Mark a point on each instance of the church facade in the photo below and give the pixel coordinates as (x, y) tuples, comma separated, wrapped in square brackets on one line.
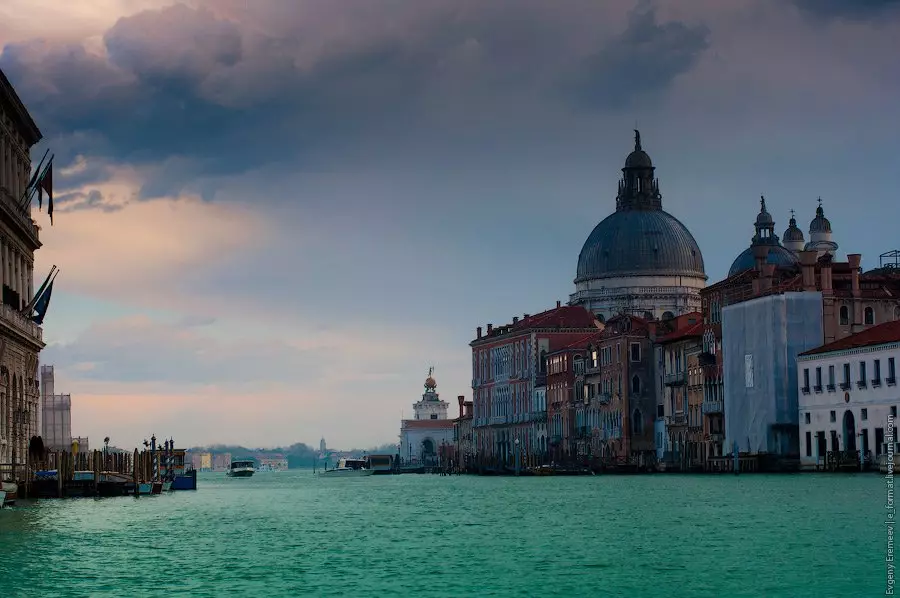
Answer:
[(429, 435)]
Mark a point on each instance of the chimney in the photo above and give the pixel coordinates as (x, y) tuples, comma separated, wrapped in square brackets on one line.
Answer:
[(478, 332), (526, 316), (558, 304), (854, 259), (462, 403), (826, 274), (515, 320), (765, 283), (760, 253), (490, 329), (808, 267), (469, 409)]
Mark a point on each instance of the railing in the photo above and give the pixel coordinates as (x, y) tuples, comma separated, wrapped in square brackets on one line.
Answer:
[(830, 388), (805, 390), (845, 386), (892, 381), (861, 384), (23, 217), (817, 389), (679, 419), (20, 322), (876, 382), (540, 379), (675, 379), (713, 407)]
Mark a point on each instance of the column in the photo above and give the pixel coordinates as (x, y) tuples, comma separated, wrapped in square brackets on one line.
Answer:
[(3, 274), (29, 281), (23, 274)]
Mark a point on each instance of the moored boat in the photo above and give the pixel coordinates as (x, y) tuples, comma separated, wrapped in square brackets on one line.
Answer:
[(144, 488), (349, 468), (10, 490), (242, 468), (2, 498)]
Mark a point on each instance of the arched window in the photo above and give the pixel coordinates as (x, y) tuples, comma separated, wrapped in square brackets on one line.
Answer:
[(543, 361), (637, 423), (845, 315), (635, 385), (667, 315), (869, 315)]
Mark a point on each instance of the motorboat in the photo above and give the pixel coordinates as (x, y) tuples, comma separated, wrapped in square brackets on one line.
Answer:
[(10, 491), (2, 498), (243, 468), (349, 468)]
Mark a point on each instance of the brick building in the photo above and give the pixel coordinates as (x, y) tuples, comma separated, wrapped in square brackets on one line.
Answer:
[(509, 368)]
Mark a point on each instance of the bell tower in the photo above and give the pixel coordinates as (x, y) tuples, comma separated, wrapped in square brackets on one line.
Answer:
[(638, 188)]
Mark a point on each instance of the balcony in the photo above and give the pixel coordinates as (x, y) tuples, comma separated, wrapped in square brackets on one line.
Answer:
[(676, 379), (817, 389), (602, 398), (706, 359), (540, 379), (845, 385), (713, 407), (22, 219), (876, 382), (861, 384), (679, 419), (805, 390), (892, 381), (830, 388), (16, 320)]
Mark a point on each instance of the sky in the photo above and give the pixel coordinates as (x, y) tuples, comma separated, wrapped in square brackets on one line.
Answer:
[(272, 217)]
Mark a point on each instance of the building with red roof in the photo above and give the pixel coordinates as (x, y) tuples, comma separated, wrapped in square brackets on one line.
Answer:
[(509, 378), (849, 399)]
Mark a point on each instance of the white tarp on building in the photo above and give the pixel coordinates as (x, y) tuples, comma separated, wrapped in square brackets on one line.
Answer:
[(760, 342)]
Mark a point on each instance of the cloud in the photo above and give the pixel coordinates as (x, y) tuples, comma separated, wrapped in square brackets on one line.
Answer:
[(852, 10), (208, 94), (642, 62)]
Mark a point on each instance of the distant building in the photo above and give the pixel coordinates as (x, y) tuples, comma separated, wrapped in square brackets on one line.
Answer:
[(56, 414), (422, 438), (322, 448), (760, 340), (84, 445), (272, 463), (849, 396), (221, 462)]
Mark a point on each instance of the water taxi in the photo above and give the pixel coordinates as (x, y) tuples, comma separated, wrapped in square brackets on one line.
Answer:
[(349, 468), (242, 468)]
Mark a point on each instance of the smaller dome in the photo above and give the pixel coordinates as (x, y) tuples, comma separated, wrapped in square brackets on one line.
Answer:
[(820, 224), (430, 382), (778, 255), (793, 232), (638, 159)]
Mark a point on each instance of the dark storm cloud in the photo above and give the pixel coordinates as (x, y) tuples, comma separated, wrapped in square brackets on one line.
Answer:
[(643, 61), (849, 9), (197, 95)]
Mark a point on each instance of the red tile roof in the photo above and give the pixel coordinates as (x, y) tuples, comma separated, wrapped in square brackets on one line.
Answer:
[(565, 317), (882, 334), (692, 330)]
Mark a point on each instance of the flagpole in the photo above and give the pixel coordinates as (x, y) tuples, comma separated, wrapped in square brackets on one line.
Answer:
[(40, 290), (29, 190)]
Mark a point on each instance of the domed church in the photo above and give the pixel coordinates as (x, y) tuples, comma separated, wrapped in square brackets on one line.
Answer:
[(640, 259)]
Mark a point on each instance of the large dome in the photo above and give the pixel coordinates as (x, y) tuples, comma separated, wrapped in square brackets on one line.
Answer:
[(639, 243), (778, 255)]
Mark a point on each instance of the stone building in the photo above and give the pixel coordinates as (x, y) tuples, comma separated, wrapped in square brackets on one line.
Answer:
[(429, 434), (681, 400), (20, 338), (639, 260), (620, 393), (463, 436), (509, 382)]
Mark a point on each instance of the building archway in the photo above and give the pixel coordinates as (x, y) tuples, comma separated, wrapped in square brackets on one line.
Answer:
[(429, 451), (849, 431)]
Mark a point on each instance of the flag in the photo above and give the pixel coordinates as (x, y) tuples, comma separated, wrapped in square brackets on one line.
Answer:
[(42, 304), (46, 184)]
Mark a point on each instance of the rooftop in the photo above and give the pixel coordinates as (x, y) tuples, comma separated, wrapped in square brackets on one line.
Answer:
[(882, 334), (561, 317)]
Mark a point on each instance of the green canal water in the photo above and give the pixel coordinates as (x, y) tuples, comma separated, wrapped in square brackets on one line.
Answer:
[(294, 534)]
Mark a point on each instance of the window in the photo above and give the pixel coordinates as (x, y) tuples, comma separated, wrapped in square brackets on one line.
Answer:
[(845, 315), (635, 351), (869, 316), (805, 388), (637, 424), (893, 411), (862, 375), (806, 419), (876, 373), (846, 383), (864, 414), (636, 385), (818, 379), (831, 378), (809, 444), (832, 417), (434, 416), (660, 411), (891, 377)]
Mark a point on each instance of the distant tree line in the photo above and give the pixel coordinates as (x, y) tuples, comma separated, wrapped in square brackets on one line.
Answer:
[(297, 455)]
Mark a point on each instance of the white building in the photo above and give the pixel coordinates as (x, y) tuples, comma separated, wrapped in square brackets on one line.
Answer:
[(848, 390), (422, 438)]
